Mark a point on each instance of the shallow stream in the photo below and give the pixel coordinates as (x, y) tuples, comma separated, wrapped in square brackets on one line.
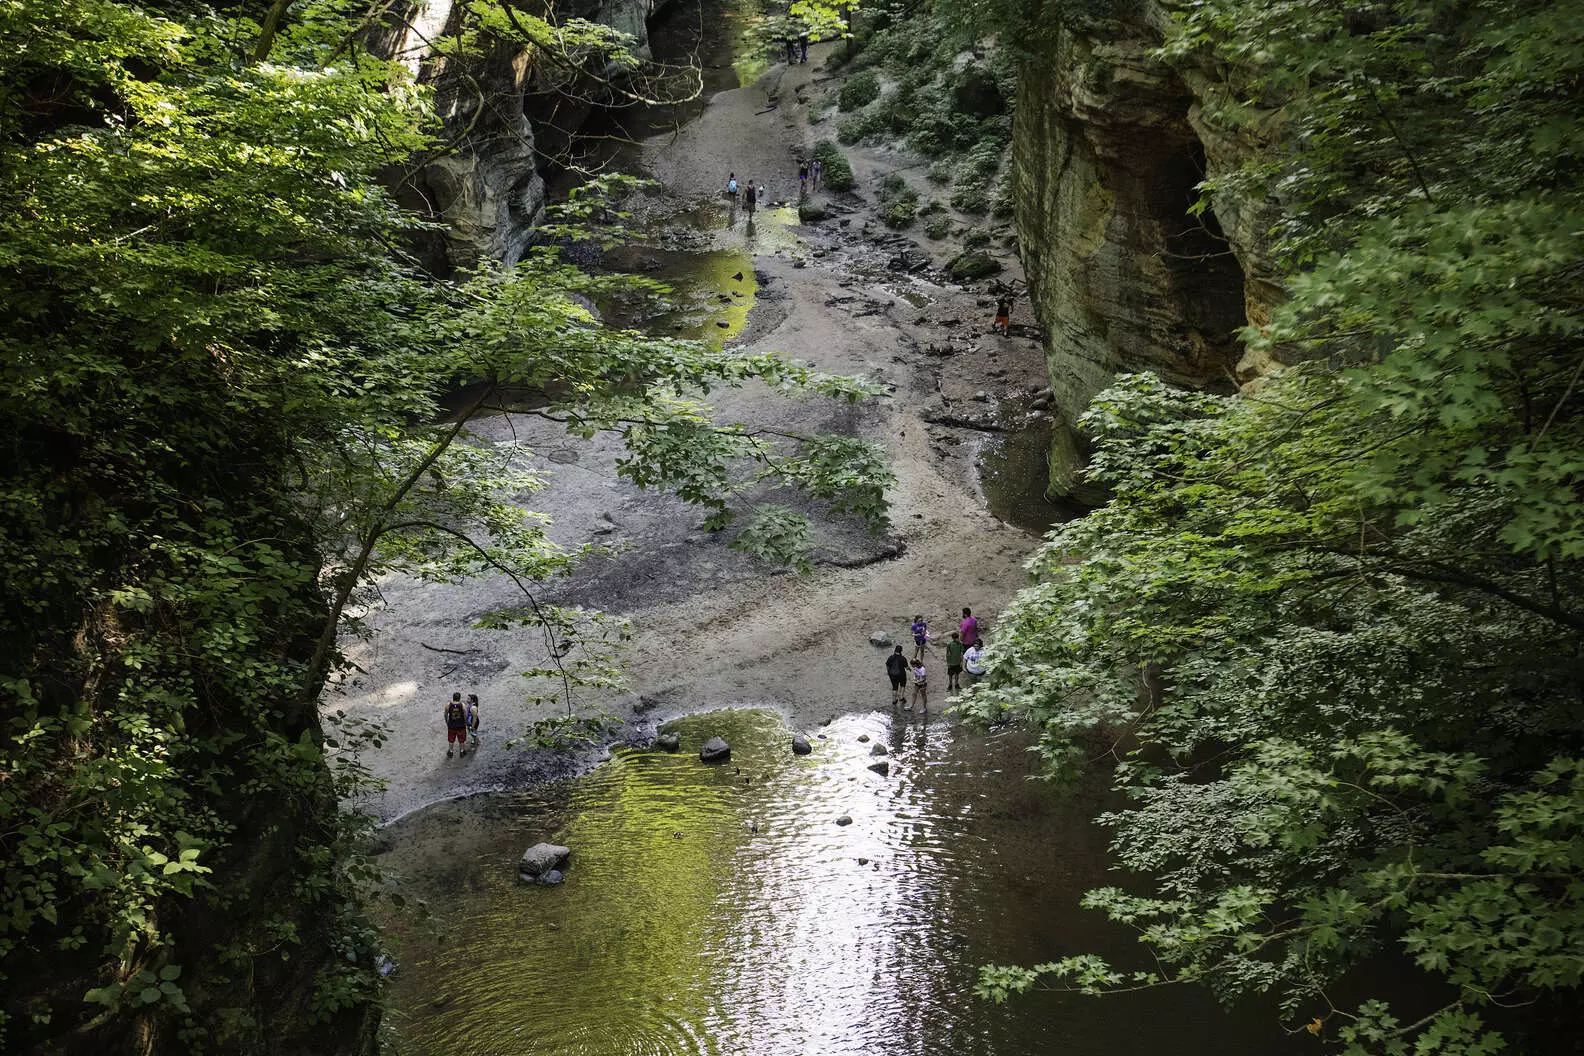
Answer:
[(721, 909)]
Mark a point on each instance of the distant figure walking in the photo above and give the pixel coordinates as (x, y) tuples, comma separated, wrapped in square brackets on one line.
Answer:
[(456, 724), (473, 722), (731, 187), (920, 685), (920, 629), (1003, 316), (814, 172), (802, 45), (897, 670), (791, 49), (750, 197), (803, 178)]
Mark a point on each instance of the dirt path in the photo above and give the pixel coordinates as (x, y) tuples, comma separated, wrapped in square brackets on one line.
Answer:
[(709, 629)]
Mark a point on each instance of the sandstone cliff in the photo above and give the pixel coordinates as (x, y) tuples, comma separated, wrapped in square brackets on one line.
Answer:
[(486, 183), (1110, 144)]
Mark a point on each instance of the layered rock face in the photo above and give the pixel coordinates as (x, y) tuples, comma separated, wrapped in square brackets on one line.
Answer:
[(486, 185), (1109, 147)]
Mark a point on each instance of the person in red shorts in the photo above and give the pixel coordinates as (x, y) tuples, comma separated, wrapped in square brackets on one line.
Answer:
[(456, 724)]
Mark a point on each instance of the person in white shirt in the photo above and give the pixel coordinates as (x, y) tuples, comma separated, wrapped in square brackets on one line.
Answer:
[(973, 660)]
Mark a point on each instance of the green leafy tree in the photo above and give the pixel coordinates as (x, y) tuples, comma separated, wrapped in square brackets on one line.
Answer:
[(221, 418), (1330, 627)]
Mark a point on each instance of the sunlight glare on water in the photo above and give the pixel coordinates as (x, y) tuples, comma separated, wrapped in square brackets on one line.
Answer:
[(721, 909)]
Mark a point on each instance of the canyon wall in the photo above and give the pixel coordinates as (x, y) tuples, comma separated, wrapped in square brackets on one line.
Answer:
[(485, 181), (1110, 144)]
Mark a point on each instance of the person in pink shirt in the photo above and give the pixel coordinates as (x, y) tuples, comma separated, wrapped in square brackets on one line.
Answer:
[(969, 628)]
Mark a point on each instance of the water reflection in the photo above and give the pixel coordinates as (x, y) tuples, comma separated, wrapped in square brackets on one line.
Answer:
[(722, 909)]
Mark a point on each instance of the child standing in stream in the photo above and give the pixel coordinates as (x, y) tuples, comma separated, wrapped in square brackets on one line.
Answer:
[(920, 685)]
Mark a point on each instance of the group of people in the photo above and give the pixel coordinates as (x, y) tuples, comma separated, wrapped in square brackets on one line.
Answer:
[(749, 196), (965, 650), (462, 724), (796, 47)]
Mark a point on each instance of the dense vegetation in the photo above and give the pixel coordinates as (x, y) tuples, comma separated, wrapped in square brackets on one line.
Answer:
[(220, 418), (1331, 628), (920, 78)]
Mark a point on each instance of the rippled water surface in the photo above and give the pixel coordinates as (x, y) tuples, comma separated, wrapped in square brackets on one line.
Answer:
[(721, 909)]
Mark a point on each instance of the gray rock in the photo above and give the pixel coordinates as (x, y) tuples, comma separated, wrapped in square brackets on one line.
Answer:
[(542, 858), (800, 745), (715, 750), (863, 738), (879, 749), (669, 742), (845, 819), (554, 876), (880, 639), (883, 768)]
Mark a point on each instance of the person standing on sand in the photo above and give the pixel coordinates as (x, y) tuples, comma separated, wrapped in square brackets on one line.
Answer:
[(897, 670), (969, 628), (920, 685), (954, 662), (920, 629), (473, 722), (456, 724)]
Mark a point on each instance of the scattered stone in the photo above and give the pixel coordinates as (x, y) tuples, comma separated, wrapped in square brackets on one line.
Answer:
[(880, 639), (863, 738), (845, 819), (883, 768), (542, 858), (715, 750), (821, 736), (863, 861), (809, 212), (800, 745), (669, 742), (879, 749), (384, 965), (981, 396), (554, 876)]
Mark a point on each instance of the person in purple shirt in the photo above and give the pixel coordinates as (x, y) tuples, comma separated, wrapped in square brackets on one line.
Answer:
[(969, 628)]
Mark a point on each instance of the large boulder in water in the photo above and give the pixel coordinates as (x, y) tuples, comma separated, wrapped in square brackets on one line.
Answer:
[(542, 858), (669, 742), (800, 745), (715, 750)]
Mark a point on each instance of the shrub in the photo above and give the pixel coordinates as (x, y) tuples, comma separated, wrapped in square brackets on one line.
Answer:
[(860, 90), (938, 226), (835, 172)]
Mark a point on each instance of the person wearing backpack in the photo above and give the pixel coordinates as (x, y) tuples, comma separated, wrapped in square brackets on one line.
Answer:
[(897, 670), (456, 724)]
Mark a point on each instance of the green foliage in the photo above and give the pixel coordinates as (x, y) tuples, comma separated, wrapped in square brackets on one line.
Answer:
[(1339, 614), (835, 171), (859, 91), (898, 201), (222, 418)]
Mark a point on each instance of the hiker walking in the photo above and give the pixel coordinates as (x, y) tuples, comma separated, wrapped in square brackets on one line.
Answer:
[(750, 197), (803, 178), (473, 722), (814, 172), (456, 724), (802, 45)]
